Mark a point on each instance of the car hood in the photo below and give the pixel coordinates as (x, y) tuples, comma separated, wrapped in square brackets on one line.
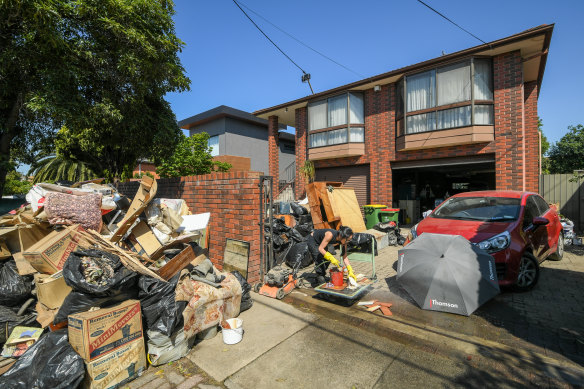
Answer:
[(474, 231)]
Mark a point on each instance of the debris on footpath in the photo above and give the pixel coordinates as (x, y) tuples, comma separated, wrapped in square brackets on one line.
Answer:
[(95, 286)]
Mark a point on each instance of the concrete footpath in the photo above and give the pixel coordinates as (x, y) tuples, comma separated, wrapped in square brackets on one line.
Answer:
[(308, 346)]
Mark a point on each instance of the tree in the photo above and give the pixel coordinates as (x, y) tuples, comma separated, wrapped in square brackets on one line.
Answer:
[(567, 154), (56, 168), (545, 145), (16, 184), (98, 70), (191, 157)]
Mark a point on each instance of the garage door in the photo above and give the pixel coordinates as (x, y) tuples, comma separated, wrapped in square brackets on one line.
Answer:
[(356, 177)]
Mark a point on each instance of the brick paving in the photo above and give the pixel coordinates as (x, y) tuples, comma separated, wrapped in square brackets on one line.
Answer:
[(549, 318)]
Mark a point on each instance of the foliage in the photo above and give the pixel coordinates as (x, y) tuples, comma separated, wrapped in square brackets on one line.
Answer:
[(221, 166), (192, 156), (57, 168), (307, 171), (140, 175), (97, 70), (545, 146), (567, 154), (16, 184)]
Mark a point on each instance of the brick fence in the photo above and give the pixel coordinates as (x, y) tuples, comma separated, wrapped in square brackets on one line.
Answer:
[(233, 200)]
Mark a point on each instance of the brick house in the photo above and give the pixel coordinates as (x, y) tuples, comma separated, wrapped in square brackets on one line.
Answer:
[(413, 136)]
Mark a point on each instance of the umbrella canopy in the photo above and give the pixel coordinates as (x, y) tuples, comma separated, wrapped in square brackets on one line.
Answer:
[(447, 273)]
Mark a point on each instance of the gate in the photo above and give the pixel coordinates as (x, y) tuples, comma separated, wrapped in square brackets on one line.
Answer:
[(557, 188)]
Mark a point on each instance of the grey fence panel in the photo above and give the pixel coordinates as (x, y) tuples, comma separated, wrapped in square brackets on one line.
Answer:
[(558, 188)]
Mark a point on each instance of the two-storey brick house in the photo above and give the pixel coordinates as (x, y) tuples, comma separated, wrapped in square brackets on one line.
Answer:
[(463, 121)]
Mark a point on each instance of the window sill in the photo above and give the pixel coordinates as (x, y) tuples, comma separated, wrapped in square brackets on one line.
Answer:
[(336, 151), (442, 138)]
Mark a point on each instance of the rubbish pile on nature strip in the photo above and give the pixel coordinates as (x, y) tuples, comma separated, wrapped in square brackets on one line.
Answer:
[(81, 257)]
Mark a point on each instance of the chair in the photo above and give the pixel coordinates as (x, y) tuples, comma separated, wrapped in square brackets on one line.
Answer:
[(365, 257)]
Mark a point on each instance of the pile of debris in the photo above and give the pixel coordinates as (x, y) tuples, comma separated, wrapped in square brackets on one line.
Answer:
[(93, 285)]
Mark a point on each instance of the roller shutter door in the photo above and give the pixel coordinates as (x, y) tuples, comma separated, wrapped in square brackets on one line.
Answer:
[(356, 177)]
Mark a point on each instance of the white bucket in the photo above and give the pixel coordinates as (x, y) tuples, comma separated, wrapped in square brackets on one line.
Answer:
[(234, 334)]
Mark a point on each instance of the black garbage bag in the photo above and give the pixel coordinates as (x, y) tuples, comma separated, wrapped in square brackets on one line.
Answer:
[(295, 235), (304, 229), (161, 313), (298, 210), (50, 363), (246, 300), (14, 288), (281, 254), (299, 257), (115, 278), (360, 243), (76, 302), (10, 319), (304, 219)]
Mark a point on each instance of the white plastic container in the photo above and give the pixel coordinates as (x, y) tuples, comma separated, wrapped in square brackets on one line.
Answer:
[(234, 334)]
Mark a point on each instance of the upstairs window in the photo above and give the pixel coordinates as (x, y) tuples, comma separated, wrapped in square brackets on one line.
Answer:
[(456, 95), (336, 120)]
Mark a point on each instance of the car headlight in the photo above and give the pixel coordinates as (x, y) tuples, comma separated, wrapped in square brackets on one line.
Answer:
[(412, 234), (496, 243)]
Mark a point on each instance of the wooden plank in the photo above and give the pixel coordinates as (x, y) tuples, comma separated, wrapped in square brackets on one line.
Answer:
[(177, 263), (347, 208), (145, 194)]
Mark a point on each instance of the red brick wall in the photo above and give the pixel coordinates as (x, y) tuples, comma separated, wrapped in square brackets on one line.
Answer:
[(301, 116), (274, 149), (531, 136), (233, 200), (380, 128)]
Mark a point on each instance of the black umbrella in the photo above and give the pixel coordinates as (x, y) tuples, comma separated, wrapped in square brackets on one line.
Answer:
[(447, 273)]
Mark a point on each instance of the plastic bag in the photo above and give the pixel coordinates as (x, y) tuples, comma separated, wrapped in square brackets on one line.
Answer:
[(76, 302), (163, 349), (49, 363), (304, 229), (298, 210), (9, 319), (299, 257), (360, 243), (246, 300), (14, 288), (159, 308)]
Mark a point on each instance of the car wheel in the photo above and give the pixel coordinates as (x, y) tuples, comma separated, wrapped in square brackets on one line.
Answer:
[(559, 254), (528, 273)]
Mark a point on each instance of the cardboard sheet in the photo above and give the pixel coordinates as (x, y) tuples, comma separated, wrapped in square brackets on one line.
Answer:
[(195, 222)]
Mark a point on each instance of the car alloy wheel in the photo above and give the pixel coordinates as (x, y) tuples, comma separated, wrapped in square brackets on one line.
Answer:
[(559, 254), (528, 272)]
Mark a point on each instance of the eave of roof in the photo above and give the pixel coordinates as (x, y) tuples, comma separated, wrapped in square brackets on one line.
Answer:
[(220, 112)]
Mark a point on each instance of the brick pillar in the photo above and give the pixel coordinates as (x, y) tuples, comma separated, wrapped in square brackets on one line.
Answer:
[(508, 79), (301, 150), (531, 137), (380, 141), (274, 149)]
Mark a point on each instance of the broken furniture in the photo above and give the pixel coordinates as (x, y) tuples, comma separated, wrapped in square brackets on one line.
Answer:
[(333, 205)]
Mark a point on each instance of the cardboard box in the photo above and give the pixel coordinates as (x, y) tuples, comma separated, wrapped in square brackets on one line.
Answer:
[(95, 333), (116, 367), (51, 289), (49, 254), (143, 241), (4, 252)]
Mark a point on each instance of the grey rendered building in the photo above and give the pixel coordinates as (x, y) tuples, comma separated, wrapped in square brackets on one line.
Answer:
[(238, 133)]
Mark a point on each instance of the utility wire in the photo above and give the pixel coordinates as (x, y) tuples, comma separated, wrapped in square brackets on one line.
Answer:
[(268, 38), (299, 41), (468, 32)]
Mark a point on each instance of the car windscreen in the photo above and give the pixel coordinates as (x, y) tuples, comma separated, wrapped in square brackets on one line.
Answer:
[(489, 209)]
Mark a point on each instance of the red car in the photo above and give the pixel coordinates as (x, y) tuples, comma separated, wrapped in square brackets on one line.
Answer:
[(518, 229)]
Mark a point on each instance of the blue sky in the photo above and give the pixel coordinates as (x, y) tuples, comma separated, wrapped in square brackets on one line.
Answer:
[(229, 61)]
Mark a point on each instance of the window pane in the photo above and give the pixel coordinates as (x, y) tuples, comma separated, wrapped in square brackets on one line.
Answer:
[(357, 135), (420, 93), (213, 142), (483, 80), (317, 115), (421, 123), (456, 117), (337, 136), (357, 108), (453, 83), (337, 110), (483, 114), (318, 140)]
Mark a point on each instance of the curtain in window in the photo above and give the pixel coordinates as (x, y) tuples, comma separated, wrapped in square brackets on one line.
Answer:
[(318, 140), (456, 117), (317, 115), (357, 135), (337, 110), (483, 114), (337, 136), (213, 142), (421, 123), (420, 94), (357, 108), (482, 80), (453, 83)]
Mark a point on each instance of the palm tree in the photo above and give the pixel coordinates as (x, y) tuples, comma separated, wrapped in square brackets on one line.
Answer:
[(56, 168)]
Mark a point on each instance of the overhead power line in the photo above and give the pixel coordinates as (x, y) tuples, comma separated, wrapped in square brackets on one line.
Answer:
[(299, 41), (305, 76), (468, 32)]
